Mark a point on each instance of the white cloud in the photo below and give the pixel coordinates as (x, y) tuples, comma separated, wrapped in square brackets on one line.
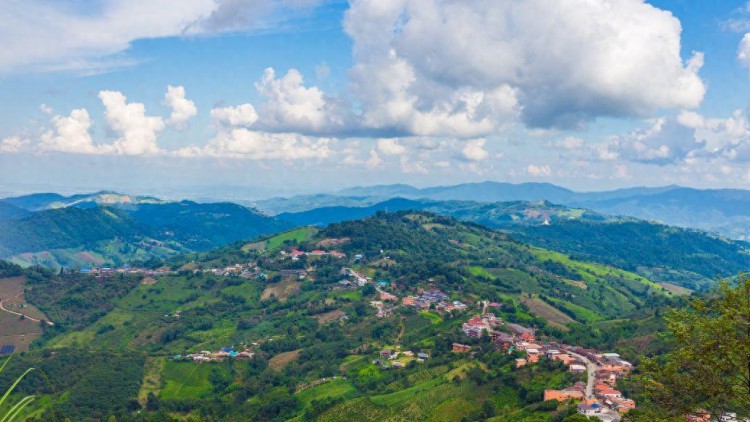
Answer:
[(44, 108), (13, 144), (40, 35), (241, 116), (569, 143), (464, 68), (242, 143), (138, 132), (538, 171), (474, 150), (408, 166), (183, 109), (244, 15), (71, 134), (743, 52), (374, 160), (391, 146), (290, 106)]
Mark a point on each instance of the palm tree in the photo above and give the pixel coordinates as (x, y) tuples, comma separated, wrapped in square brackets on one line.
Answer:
[(14, 411)]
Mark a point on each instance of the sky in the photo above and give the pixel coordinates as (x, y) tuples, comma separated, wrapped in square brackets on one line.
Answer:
[(276, 97)]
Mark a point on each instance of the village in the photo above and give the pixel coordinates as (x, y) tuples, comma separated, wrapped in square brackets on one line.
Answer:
[(598, 396)]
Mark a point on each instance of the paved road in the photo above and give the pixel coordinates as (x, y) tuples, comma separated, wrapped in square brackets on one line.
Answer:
[(4, 309), (591, 368)]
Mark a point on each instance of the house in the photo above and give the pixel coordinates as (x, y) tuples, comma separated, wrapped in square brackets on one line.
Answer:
[(699, 416), (423, 356), (570, 393), (503, 341), (318, 252), (532, 355), (520, 362), (337, 254), (589, 409), (409, 300), (386, 353), (564, 358), (461, 348), (388, 296), (408, 353), (577, 368), (475, 326), (526, 334), (294, 273)]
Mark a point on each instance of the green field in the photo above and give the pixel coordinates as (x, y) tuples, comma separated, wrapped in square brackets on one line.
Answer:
[(335, 388), (186, 379), (297, 235)]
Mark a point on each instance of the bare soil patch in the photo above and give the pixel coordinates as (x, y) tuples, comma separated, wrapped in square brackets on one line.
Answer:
[(329, 316), (281, 290), (278, 362)]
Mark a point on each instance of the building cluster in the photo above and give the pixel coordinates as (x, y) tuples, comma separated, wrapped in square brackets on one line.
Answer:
[(433, 298), (109, 271), (216, 356), (353, 278), (246, 270), (390, 358), (296, 254)]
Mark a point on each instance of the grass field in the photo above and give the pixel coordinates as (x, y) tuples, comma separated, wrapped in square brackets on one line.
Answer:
[(151, 378), (186, 379), (299, 235), (335, 388), (582, 314), (544, 310)]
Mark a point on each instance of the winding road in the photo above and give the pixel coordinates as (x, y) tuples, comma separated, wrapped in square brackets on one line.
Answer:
[(4, 309)]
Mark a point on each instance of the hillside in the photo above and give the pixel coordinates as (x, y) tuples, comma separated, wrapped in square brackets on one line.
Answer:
[(304, 323), (45, 201), (65, 228), (8, 210), (85, 233), (688, 258), (724, 211), (204, 226)]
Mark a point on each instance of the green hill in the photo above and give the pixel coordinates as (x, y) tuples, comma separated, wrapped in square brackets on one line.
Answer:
[(308, 334), (65, 228)]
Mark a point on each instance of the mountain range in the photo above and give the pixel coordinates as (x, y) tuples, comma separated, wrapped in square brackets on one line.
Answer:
[(724, 211)]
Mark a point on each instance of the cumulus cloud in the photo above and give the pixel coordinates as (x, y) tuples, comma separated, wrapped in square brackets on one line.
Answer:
[(664, 142), (289, 104), (183, 109), (13, 144), (474, 150), (241, 116), (137, 132), (71, 134), (391, 146), (247, 144), (236, 137), (538, 171), (462, 68)]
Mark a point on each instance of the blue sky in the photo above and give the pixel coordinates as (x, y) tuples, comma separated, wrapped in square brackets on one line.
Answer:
[(285, 96)]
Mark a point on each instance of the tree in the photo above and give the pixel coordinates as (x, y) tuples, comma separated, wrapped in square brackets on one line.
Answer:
[(709, 366), (488, 408)]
